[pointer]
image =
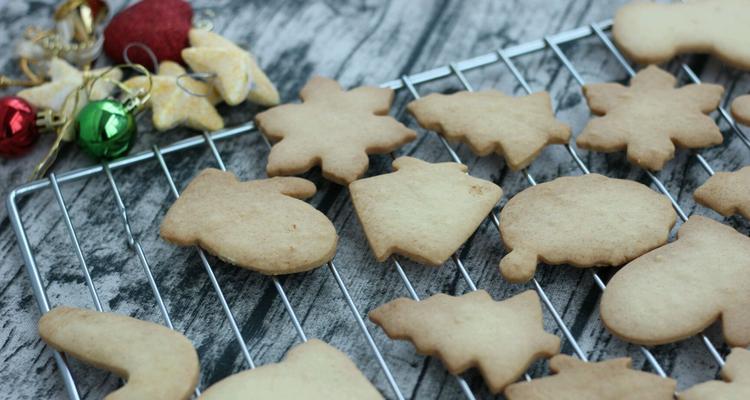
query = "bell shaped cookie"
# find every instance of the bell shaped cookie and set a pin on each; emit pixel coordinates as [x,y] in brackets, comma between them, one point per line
[736,384]
[332,128]
[652,33]
[516,128]
[678,290]
[259,225]
[727,192]
[650,117]
[574,379]
[501,338]
[155,361]
[313,371]
[423,211]
[584,221]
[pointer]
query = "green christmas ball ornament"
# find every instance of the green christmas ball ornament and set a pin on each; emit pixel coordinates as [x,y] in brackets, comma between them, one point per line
[106,129]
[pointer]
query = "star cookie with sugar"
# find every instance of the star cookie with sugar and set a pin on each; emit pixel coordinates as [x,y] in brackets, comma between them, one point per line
[649,117]
[516,128]
[574,379]
[727,192]
[238,76]
[398,211]
[736,384]
[333,128]
[172,105]
[501,338]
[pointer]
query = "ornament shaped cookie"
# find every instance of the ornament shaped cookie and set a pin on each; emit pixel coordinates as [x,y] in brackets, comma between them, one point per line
[333,128]
[399,211]
[260,225]
[741,109]
[678,290]
[156,362]
[650,117]
[516,128]
[313,370]
[585,221]
[172,105]
[574,379]
[651,33]
[727,192]
[736,384]
[64,79]
[238,76]
[501,338]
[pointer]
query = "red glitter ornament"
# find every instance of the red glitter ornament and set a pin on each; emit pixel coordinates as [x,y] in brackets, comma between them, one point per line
[18,130]
[162,25]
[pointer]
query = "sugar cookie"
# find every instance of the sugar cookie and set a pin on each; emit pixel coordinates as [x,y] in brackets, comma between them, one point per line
[727,192]
[741,109]
[332,128]
[517,128]
[259,225]
[736,384]
[501,338]
[399,211]
[584,221]
[678,290]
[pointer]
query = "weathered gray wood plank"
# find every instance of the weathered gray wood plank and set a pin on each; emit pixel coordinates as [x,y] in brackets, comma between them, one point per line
[355,42]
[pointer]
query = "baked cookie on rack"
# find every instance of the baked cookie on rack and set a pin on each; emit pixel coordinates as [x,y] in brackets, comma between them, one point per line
[678,290]
[172,105]
[516,128]
[736,384]
[741,109]
[237,75]
[650,117]
[574,379]
[727,193]
[652,33]
[260,225]
[332,128]
[584,221]
[501,338]
[313,370]
[156,362]
[398,211]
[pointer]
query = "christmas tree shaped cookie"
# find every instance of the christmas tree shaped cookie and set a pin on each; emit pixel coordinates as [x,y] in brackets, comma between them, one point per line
[651,116]
[736,385]
[727,192]
[156,362]
[501,338]
[332,128]
[574,379]
[423,211]
[584,221]
[259,225]
[678,290]
[516,128]
[313,370]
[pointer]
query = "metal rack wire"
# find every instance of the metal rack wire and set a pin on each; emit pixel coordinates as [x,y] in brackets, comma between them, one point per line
[409,82]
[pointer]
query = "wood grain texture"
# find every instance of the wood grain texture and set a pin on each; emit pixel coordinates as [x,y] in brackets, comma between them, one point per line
[355,42]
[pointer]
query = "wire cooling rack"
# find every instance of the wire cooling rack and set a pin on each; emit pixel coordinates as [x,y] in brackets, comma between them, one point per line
[410,83]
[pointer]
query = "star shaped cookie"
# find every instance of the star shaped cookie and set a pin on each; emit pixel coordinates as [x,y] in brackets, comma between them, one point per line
[260,225]
[313,370]
[680,289]
[64,79]
[574,379]
[501,338]
[736,384]
[517,128]
[172,105]
[238,76]
[333,128]
[727,192]
[398,210]
[651,116]
[741,109]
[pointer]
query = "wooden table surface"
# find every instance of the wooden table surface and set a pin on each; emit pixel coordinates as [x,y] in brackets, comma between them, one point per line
[356,43]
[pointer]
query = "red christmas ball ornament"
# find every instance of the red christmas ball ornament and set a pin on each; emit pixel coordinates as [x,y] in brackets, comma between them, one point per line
[161,25]
[18,130]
